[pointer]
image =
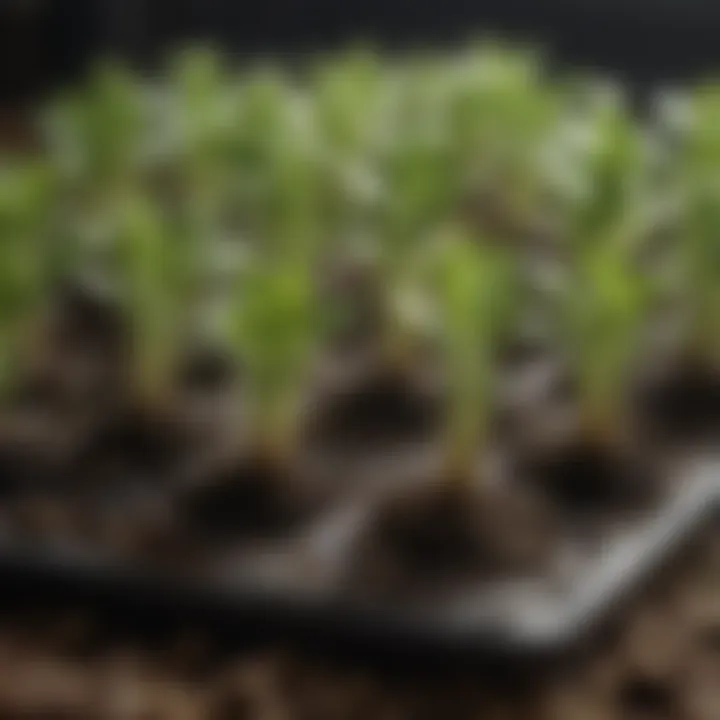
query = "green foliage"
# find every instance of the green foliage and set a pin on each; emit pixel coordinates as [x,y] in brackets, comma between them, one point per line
[277,152]
[603,159]
[203,111]
[293,209]
[25,197]
[474,292]
[373,156]
[349,93]
[418,192]
[501,113]
[699,192]
[604,301]
[602,315]
[154,278]
[274,327]
[98,135]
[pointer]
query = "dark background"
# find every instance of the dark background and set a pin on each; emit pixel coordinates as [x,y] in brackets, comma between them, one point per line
[44,43]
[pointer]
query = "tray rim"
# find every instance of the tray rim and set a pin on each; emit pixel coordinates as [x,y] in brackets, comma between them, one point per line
[330,619]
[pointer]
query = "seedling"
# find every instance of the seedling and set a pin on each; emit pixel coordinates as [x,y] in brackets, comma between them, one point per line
[351,98]
[263,108]
[203,111]
[99,144]
[474,294]
[600,169]
[348,93]
[293,210]
[602,316]
[198,115]
[24,271]
[603,303]
[417,194]
[98,136]
[274,328]
[154,290]
[274,315]
[501,113]
[699,247]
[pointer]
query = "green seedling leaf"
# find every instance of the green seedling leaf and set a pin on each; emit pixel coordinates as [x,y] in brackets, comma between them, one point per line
[204,109]
[294,199]
[418,192]
[501,115]
[274,328]
[497,98]
[603,313]
[276,153]
[602,159]
[473,292]
[25,193]
[609,221]
[348,92]
[155,288]
[699,256]
[97,136]
[350,97]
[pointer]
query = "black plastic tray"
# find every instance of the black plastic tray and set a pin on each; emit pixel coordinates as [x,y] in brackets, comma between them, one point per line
[528,625]
[642,42]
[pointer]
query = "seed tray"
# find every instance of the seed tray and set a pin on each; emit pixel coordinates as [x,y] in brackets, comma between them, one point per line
[270,592]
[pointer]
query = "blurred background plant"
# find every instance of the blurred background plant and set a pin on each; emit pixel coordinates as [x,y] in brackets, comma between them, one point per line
[205,182]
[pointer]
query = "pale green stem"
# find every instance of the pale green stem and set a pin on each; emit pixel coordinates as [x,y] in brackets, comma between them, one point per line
[466,423]
[276,424]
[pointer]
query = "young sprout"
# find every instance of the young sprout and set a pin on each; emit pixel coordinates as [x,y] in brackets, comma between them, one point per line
[154,290]
[603,312]
[274,326]
[24,272]
[502,114]
[273,142]
[203,112]
[98,144]
[700,222]
[293,199]
[417,194]
[473,297]
[348,94]
[98,137]
[280,179]
[604,302]
[265,99]
[274,319]
[350,97]
[600,168]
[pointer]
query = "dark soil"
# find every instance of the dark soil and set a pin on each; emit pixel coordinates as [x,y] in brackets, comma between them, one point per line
[86,352]
[649,697]
[684,404]
[138,443]
[379,408]
[438,535]
[30,461]
[207,370]
[62,393]
[248,498]
[41,435]
[79,459]
[582,477]
[349,285]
